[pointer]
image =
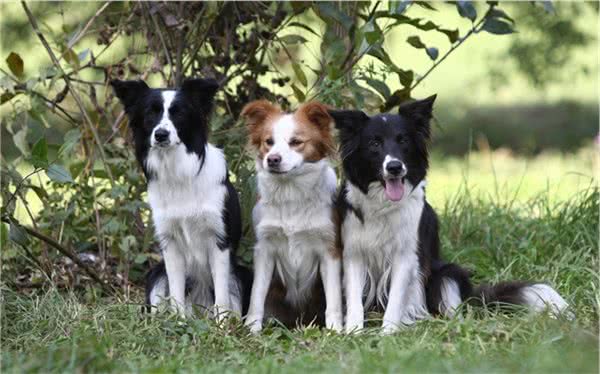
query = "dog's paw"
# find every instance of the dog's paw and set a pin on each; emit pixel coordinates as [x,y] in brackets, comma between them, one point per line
[254,324]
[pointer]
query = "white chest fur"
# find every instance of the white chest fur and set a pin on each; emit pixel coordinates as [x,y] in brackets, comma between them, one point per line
[187,200]
[388,234]
[293,223]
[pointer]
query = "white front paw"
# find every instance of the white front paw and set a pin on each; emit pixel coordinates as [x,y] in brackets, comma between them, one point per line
[389,328]
[254,323]
[334,322]
[354,323]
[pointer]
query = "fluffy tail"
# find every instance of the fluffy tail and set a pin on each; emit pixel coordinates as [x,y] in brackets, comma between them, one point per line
[450,285]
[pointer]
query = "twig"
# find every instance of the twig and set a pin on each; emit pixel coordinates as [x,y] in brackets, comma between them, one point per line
[162,39]
[65,251]
[454,47]
[78,100]
[87,26]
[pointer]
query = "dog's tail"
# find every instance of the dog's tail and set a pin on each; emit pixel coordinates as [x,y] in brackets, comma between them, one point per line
[157,286]
[450,285]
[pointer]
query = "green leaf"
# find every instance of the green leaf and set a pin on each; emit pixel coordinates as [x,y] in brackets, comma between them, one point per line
[401,6]
[406,77]
[499,13]
[70,140]
[140,258]
[298,93]
[39,154]
[328,11]
[293,39]
[452,35]
[3,235]
[18,234]
[372,32]
[20,140]
[299,74]
[416,42]
[432,52]
[59,174]
[71,57]
[497,27]
[466,9]
[15,64]
[379,86]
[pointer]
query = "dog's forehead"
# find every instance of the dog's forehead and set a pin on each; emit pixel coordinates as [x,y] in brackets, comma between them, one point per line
[385,124]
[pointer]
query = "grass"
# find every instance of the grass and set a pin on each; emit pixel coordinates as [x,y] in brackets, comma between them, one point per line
[543,232]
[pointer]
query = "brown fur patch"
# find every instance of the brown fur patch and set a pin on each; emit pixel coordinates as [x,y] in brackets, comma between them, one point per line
[314,130]
[259,117]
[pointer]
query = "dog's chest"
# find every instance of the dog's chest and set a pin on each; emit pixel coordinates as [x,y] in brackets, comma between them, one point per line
[187,198]
[387,230]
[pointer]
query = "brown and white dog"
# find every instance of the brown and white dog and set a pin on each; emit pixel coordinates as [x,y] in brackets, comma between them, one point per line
[296,259]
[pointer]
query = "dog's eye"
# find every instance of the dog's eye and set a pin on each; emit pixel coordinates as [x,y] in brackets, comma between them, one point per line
[295,142]
[374,143]
[269,142]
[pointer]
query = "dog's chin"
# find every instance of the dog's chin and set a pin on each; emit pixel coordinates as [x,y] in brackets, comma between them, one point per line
[393,188]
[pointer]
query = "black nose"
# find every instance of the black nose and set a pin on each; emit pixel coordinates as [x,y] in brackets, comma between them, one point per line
[394,167]
[161,135]
[274,160]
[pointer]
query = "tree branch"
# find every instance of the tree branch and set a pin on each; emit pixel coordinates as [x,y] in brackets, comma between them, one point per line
[65,77]
[65,251]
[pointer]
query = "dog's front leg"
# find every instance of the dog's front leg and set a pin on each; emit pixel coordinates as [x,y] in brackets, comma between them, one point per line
[221,271]
[175,266]
[401,279]
[355,273]
[263,273]
[331,275]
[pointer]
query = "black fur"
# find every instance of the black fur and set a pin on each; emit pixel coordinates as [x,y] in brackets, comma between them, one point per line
[364,143]
[189,112]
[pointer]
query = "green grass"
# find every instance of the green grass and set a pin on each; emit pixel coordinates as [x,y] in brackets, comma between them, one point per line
[537,235]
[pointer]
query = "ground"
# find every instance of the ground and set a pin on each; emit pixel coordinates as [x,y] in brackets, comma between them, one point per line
[506,218]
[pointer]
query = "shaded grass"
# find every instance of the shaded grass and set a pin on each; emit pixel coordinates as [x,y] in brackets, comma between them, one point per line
[51,331]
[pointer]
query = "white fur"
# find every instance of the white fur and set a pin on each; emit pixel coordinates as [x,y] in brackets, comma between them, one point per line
[451,298]
[541,297]
[295,233]
[382,252]
[187,203]
[386,161]
[283,131]
[165,122]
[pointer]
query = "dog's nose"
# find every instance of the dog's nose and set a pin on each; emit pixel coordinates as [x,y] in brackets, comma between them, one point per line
[395,168]
[274,160]
[161,135]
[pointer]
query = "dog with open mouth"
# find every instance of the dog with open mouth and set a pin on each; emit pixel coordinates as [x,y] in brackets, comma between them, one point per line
[195,208]
[390,234]
[297,264]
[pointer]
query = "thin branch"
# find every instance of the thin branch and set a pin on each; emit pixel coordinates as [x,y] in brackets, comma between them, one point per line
[162,39]
[78,100]
[453,48]
[87,26]
[65,251]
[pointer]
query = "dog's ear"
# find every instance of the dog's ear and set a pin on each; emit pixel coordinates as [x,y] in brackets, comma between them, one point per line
[420,111]
[201,91]
[129,92]
[349,121]
[317,114]
[255,115]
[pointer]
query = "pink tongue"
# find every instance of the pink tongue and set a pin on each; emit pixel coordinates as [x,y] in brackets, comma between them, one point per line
[394,189]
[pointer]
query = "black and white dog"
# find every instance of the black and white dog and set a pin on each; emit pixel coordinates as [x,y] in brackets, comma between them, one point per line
[195,208]
[389,233]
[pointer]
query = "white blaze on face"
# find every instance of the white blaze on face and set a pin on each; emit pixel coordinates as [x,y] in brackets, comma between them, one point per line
[394,186]
[165,122]
[283,131]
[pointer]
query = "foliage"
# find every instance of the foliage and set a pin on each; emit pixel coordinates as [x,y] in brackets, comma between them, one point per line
[57,332]
[85,191]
